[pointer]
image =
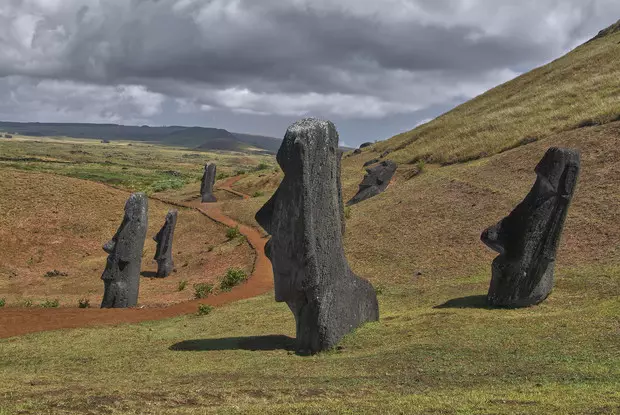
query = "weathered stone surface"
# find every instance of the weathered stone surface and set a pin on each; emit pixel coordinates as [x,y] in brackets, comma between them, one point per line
[208,180]
[357,151]
[369,162]
[163,253]
[121,277]
[385,153]
[305,218]
[528,238]
[376,181]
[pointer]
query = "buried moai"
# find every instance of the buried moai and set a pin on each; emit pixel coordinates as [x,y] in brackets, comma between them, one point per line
[305,219]
[376,181]
[122,272]
[163,253]
[527,239]
[208,180]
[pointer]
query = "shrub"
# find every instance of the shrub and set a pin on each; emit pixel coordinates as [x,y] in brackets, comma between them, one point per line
[257,193]
[204,309]
[182,285]
[262,166]
[2,302]
[50,304]
[233,277]
[221,175]
[202,290]
[28,303]
[232,233]
[240,172]
[84,303]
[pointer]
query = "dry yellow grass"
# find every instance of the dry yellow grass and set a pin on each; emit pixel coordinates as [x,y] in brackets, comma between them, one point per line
[580,86]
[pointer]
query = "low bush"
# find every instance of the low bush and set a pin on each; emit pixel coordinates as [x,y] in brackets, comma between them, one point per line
[182,285]
[233,277]
[84,303]
[202,290]
[232,233]
[2,302]
[50,304]
[204,309]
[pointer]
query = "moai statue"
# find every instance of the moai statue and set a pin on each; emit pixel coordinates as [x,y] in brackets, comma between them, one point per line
[528,238]
[304,217]
[163,253]
[376,181]
[122,272]
[208,180]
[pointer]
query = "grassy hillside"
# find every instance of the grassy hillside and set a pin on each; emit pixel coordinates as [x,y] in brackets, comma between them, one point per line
[580,88]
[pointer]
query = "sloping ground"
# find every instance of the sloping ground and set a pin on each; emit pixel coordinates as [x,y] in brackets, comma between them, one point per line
[579,88]
[50,222]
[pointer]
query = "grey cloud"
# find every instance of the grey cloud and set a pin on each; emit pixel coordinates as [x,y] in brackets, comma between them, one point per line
[350,59]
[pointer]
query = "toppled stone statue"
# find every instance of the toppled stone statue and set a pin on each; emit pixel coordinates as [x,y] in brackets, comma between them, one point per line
[527,239]
[208,180]
[376,181]
[163,253]
[121,277]
[304,217]
[372,161]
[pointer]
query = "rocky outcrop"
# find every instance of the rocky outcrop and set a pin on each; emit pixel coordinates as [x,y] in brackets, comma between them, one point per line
[208,181]
[163,253]
[121,277]
[304,217]
[376,181]
[527,239]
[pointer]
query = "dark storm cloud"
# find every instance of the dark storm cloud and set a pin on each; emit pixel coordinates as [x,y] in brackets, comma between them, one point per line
[351,59]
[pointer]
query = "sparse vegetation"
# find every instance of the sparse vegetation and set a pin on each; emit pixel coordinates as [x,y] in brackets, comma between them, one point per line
[202,290]
[50,304]
[204,309]
[233,277]
[2,302]
[258,193]
[84,303]
[421,164]
[232,233]
[182,285]
[55,273]
[262,166]
[347,212]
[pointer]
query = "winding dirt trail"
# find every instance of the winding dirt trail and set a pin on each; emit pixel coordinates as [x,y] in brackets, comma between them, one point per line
[19,321]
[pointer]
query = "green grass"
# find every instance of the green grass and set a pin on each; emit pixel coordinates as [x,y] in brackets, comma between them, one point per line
[202,290]
[140,167]
[50,304]
[578,88]
[561,357]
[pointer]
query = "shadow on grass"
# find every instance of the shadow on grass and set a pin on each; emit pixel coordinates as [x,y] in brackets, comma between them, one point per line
[253,343]
[472,301]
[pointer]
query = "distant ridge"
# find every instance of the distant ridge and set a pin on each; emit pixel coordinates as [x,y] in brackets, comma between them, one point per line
[203,138]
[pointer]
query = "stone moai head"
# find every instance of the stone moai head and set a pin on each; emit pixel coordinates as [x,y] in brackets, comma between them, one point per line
[375,181]
[305,219]
[122,273]
[208,181]
[528,238]
[163,252]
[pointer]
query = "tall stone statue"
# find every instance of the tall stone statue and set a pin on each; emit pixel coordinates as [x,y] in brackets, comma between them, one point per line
[376,181]
[527,239]
[163,253]
[121,277]
[304,217]
[208,180]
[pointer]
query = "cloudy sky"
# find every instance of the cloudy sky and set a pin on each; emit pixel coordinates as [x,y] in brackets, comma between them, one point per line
[374,67]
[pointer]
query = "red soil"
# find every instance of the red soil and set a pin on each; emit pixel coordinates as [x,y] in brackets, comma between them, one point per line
[19,321]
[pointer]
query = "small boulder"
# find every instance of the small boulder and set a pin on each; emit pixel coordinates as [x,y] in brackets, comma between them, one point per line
[367,144]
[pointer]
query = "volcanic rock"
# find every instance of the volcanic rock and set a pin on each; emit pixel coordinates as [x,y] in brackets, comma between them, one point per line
[305,218]
[527,239]
[163,253]
[376,181]
[208,180]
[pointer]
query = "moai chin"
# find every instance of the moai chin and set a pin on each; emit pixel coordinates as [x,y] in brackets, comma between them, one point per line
[163,253]
[305,219]
[528,238]
[121,277]
[208,181]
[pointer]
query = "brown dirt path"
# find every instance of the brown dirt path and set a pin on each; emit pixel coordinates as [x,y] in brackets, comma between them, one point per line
[227,186]
[19,321]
